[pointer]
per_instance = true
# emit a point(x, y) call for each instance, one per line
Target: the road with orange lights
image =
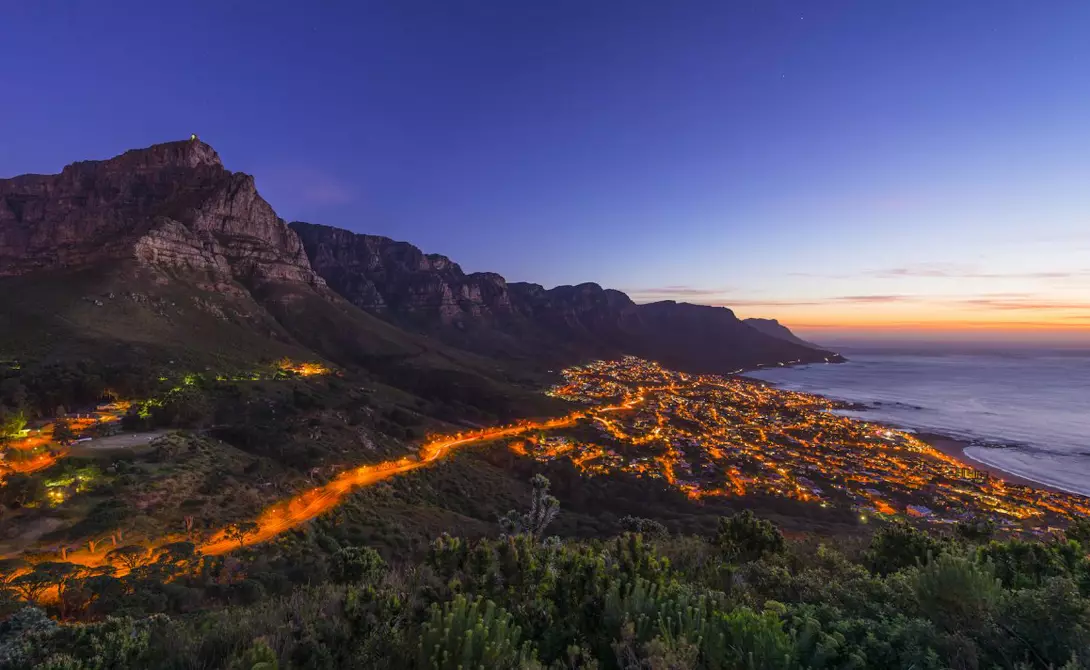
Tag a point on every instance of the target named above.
point(299, 509)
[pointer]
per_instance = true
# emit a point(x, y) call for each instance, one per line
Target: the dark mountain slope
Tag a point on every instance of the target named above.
point(163, 254)
point(430, 293)
point(776, 329)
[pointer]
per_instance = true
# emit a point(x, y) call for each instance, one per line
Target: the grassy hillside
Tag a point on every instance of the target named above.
point(121, 311)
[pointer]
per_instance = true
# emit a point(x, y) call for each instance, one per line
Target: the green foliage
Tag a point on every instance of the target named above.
point(113, 644)
point(355, 564)
point(19, 634)
point(1047, 624)
point(694, 625)
point(956, 592)
point(897, 546)
point(185, 406)
point(609, 604)
point(576, 657)
point(1020, 564)
point(258, 657)
point(1079, 531)
point(465, 635)
point(745, 537)
point(12, 422)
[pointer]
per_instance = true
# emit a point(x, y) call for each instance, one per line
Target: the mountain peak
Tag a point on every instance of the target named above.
point(191, 153)
point(168, 206)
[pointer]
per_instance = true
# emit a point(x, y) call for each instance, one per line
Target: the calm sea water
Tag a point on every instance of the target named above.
point(1025, 411)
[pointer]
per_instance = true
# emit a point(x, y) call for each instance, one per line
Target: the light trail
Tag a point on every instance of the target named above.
point(303, 507)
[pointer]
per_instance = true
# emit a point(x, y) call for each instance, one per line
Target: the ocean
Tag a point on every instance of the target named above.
point(1025, 411)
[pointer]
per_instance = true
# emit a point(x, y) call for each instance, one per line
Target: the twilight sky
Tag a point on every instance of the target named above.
point(844, 166)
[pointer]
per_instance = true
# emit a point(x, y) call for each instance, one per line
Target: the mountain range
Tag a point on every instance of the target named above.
point(163, 251)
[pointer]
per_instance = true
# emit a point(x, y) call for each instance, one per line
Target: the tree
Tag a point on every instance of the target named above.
point(543, 509)
point(20, 489)
point(898, 546)
point(32, 584)
point(62, 575)
point(745, 537)
point(178, 554)
point(11, 423)
point(240, 531)
point(186, 407)
point(63, 433)
point(132, 556)
point(10, 568)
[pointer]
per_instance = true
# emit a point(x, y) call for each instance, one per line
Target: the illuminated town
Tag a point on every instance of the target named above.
point(717, 436)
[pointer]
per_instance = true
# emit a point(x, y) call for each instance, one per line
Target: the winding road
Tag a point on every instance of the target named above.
point(301, 508)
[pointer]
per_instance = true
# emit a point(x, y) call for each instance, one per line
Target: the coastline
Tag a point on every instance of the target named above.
point(955, 448)
point(1064, 474)
point(952, 447)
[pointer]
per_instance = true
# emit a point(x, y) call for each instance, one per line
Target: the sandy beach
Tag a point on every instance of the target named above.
point(955, 448)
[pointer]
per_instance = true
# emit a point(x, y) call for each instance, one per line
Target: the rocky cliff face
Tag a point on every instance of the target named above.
point(398, 280)
point(171, 206)
point(484, 313)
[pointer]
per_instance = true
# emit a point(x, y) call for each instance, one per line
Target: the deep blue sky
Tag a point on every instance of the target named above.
point(905, 161)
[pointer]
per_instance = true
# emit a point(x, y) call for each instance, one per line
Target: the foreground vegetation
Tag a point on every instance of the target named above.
point(743, 597)
point(431, 570)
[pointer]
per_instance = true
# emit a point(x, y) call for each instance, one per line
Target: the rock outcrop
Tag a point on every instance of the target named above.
point(776, 329)
point(171, 206)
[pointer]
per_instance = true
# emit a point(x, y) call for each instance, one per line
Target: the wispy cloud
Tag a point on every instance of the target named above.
point(675, 291)
point(743, 302)
point(325, 190)
point(872, 298)
point(1024, 303)
point(840, 300)
point(952, 324)
point(307, 186)
point(948, 271)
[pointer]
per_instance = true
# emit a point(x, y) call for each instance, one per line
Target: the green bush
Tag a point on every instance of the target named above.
point(471, 635)
point(898, 545)
point(355, 564)
point(957, 593)
point(744, 537)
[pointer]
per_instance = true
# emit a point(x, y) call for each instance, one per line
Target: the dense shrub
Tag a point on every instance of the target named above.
point(744, 598)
